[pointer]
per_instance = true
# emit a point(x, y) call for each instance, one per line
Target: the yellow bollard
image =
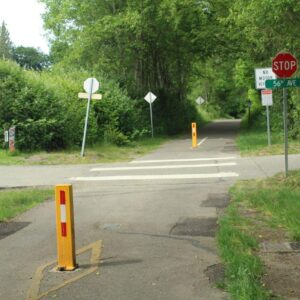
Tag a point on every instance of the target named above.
point(194, 135)
point(65, 228)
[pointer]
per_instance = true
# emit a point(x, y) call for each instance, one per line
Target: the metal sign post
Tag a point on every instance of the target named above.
point(285, 123)
point(268, 125)
point(284, 65)
point(267, 100)
point(150, 97)
point(91, 85)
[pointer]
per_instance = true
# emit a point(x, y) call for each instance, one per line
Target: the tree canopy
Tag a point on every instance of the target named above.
point(6, 46)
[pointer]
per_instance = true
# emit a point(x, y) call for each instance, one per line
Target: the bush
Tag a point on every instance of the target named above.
point(48, 115)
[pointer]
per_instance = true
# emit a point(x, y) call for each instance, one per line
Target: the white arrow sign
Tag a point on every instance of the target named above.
point(150, 97)
point(91, 85)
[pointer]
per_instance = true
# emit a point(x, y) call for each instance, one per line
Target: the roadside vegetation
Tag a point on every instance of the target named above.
point(256, 207)
point(253, 137)
point(16, 201)
point(253, 140)
point(98, 153)
point(180, 50)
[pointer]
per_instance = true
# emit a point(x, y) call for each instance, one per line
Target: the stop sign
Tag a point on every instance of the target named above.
point(284, 65)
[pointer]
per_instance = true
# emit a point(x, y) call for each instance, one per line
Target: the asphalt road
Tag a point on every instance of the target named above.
point(155, 216)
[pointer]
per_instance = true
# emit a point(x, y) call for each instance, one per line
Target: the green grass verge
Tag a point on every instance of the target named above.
point(277, 201)
point(16, 201)
point(100, 153)
point(253, 141)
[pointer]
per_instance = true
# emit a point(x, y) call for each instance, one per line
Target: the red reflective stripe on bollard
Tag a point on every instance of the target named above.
point(62, 197)
point(64, 229)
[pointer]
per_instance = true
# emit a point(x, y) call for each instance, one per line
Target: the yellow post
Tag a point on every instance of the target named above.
point(65, 228)
point(194, 135)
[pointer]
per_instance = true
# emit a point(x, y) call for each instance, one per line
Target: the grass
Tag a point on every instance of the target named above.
point(253, 141)
point(100, 153)
point(276, 199)
point(16, 201)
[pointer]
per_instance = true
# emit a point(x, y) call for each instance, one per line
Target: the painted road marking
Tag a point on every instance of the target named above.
point(163, 167)
point(202, 141)
point(33, 293)
point(157, 177)
point(181, 160)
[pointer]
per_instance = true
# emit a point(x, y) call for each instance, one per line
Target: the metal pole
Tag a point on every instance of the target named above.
point(285, 122)
point(86, 119)
point(151, 118)
point(268, 126)
point(249, 108)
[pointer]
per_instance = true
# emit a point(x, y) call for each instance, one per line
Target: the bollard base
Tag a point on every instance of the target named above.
point(67, 269)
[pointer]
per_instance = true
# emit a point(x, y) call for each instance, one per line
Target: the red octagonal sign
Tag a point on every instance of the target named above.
point(284, 65)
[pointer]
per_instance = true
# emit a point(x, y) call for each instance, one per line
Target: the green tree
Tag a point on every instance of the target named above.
point(148, 44)
point(6, 45)
point(31, 58)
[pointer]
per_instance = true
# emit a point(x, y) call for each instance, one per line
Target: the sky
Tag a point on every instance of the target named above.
point(24, 23)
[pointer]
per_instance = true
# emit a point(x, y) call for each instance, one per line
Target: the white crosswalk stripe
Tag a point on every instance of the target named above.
point(157, 177)
point(182, 160)
point(163, 167)
point(159, 166)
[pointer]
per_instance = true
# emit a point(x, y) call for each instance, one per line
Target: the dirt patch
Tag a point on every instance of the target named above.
point(215, 274)
point(282, 274)
point(196, 227)
point(281, 258)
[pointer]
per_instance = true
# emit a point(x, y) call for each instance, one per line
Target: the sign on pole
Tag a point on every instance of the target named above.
point(150, 98)
point(6, 136)
point(86, 96)
point(11, 138)
point(284, 65)
point(283, 83)
point(261, 75)
point(267, 100)
point(200, 100)
point(90, 85)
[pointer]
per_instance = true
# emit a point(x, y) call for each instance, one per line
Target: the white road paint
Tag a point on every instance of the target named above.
point(164, 167)
point(157, 177)
point(202, 141)
point(181, 160)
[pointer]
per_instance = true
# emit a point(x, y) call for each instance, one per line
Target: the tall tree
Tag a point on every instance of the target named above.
point(6, 45)
point(31, 58)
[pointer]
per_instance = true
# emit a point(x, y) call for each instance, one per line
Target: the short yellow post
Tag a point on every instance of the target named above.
point(194, 135)
point(65, 228)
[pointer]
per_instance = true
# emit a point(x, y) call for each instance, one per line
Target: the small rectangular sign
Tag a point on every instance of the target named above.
point(266, 98)
point(86, 96)
point(261, 75)
point(283, 83)
point(6, 136)
point(11, 138)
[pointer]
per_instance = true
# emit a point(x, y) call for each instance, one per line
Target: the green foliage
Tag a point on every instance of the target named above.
point(143, 45)
point(276, 196)
point(48, 115)
point(277, 200)
point(31, 58)
point(243, 269)
point(6, 46)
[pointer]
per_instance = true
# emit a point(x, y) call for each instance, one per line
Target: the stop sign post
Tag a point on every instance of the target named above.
point(284, 65)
